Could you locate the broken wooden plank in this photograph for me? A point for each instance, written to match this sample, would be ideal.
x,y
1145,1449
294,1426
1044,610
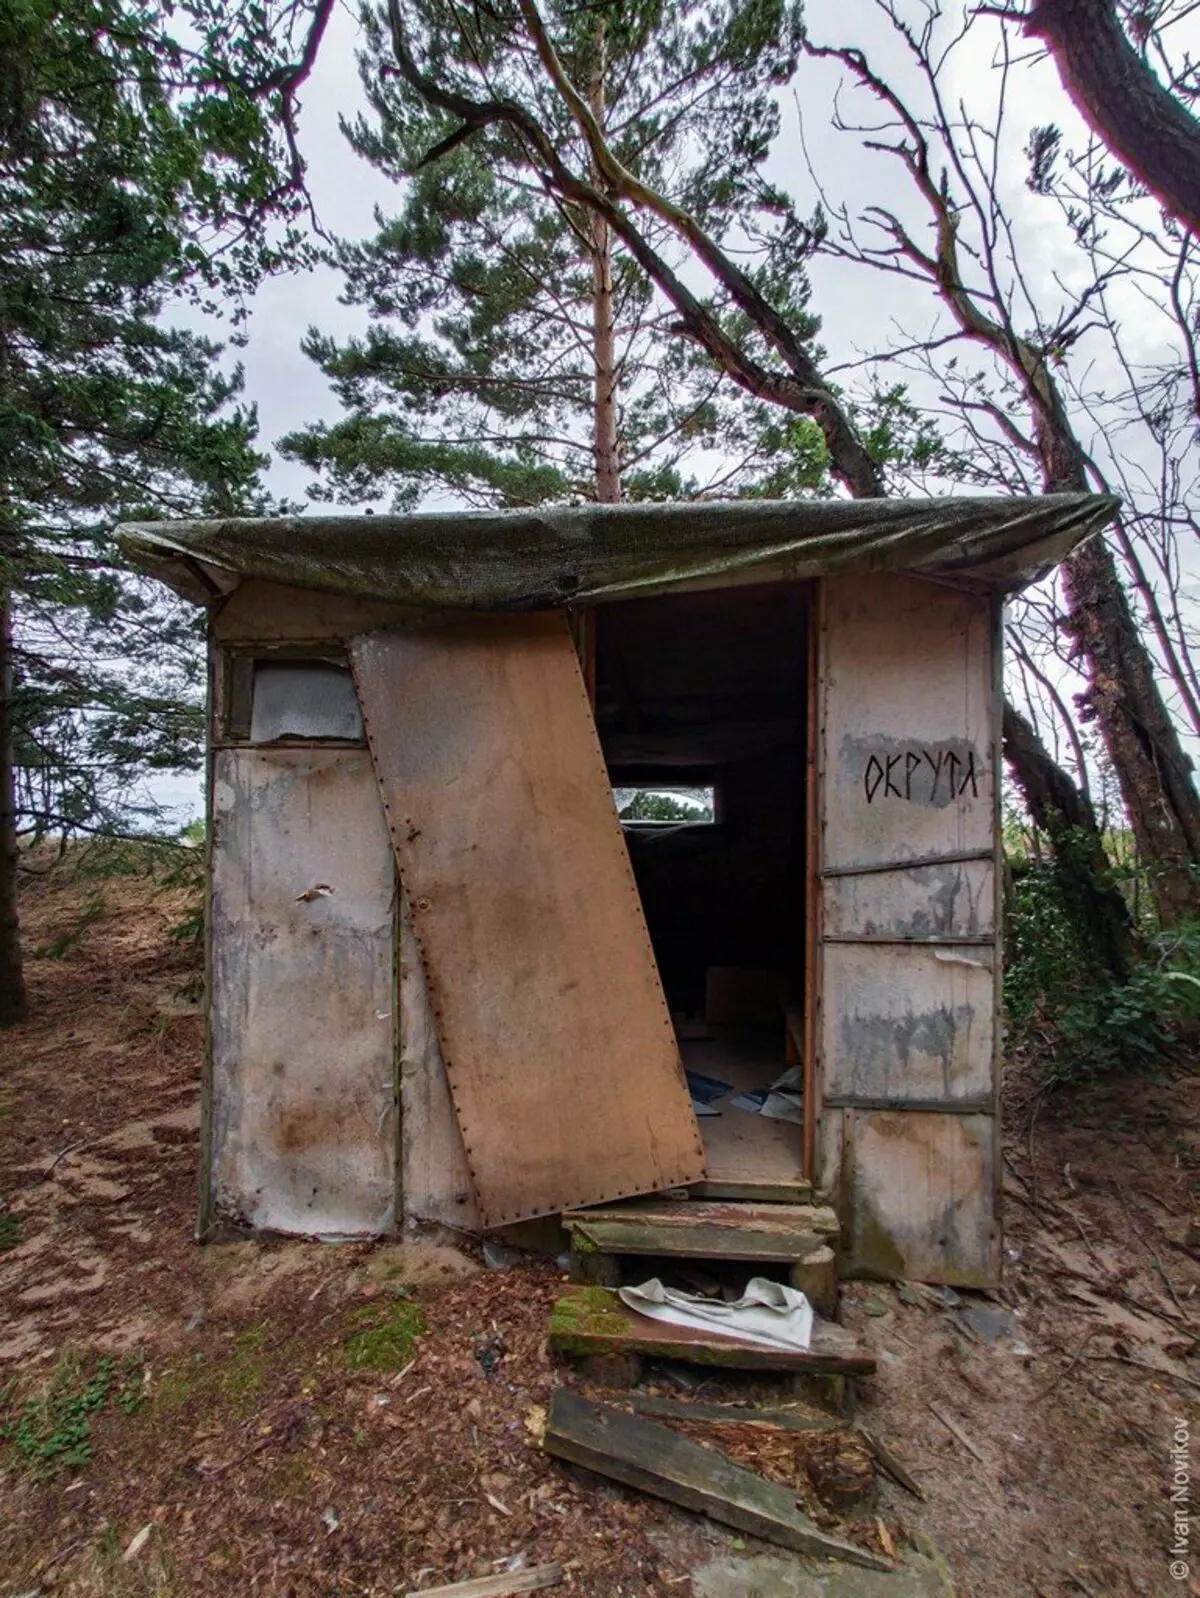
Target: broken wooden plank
x,y
696,1242
764,1218
512,1581
593,1320
889,1464
654,1459
789,1420
956,1430
763,1233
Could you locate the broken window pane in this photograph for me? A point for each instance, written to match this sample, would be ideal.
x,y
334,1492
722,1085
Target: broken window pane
x,y
665,806
303,699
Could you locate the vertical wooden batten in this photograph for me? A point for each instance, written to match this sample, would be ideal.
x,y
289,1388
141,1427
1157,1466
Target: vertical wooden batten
x,y
812,881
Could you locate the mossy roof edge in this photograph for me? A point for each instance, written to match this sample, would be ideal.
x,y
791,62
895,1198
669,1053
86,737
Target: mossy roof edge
x,y
555,555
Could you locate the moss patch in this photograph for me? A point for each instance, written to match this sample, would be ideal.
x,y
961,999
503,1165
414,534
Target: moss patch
x,y
242,1374
874,1251
590,1321
383,1335
233,1380
589,1312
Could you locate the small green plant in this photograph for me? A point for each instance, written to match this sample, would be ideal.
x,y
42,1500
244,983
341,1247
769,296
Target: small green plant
x,y
10,1230
384,1334
131,1388
67,940
1069,1013
190,927
54,1428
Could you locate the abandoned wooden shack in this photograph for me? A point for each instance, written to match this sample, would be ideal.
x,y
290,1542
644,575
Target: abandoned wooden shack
x,y
448,983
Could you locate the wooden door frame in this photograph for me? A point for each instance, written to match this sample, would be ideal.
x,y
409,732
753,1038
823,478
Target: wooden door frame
x,y
812,877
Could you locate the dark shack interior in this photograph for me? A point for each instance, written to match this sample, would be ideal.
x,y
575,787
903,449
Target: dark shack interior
x,y
708,691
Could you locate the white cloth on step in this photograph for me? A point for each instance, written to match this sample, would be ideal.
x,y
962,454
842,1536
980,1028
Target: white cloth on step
x,y
768,1313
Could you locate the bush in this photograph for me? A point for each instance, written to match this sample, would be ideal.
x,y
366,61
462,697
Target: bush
x,y
1064,1008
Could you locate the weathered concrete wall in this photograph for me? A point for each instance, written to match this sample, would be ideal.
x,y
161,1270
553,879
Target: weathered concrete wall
x,y
302,1082
905,1022
909,956
923,1195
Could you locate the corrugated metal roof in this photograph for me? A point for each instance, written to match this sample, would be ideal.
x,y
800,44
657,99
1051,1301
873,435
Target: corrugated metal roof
x,y
539,559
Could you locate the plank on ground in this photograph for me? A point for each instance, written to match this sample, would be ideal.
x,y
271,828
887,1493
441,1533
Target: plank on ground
x,y
787,1420
502,1586
593,1320
654,1459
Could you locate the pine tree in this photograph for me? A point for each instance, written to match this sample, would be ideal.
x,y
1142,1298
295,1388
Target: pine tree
x,y
135,163
517,352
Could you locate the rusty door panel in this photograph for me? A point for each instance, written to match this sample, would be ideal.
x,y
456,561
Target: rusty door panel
x,y
302,1106
557,1043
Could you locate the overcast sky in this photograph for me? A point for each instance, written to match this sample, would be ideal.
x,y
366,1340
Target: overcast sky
x,y
861,311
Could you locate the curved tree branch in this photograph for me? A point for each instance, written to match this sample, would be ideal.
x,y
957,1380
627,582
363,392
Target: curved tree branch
x,y
1122,101
801,389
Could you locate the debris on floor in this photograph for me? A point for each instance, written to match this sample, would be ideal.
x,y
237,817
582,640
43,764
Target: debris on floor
x,y
706,1090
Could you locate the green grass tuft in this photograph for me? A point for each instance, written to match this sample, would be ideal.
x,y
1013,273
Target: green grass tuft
x,y
384,1335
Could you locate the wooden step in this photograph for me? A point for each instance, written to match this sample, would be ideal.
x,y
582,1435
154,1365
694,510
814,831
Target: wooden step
x,y
752,1192
657,1460
780,1234
591,1321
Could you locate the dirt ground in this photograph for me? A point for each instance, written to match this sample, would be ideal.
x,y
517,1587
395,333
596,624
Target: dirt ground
x,y
288,1418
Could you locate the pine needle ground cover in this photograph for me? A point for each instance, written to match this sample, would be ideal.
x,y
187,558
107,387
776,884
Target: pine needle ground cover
x,y
292,1417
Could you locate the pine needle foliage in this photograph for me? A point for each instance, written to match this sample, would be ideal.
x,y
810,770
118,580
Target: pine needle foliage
x,y
476,377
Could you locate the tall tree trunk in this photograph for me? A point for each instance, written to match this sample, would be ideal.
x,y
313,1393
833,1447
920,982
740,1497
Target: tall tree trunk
x,y
1126,105
12,982
1142,741
1122,101
1064,814
1123,696
604,341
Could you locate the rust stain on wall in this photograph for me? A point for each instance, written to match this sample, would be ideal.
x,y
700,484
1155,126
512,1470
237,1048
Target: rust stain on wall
x,y
303,1092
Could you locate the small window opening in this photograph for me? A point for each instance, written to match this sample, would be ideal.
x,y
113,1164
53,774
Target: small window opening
x,y
309,699
660,806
